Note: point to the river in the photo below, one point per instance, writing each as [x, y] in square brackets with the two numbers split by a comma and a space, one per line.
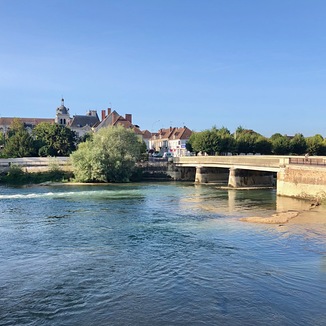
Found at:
[156, 254]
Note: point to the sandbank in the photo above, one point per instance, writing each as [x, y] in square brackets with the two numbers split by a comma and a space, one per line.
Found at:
[313, 214]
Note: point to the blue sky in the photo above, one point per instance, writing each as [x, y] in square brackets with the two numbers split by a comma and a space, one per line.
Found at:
[255, 63]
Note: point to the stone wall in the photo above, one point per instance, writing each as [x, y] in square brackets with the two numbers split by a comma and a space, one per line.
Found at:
[302, 182]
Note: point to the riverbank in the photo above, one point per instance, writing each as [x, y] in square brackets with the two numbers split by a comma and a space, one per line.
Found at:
[312, 213]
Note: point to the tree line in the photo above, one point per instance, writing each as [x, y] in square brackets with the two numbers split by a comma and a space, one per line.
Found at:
[221, 141]
[44, 140]
[110, 155]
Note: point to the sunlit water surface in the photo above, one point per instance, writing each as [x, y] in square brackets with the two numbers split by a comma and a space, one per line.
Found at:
[155, 254]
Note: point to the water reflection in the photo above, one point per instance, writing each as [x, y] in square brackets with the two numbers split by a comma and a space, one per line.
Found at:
[148, 254]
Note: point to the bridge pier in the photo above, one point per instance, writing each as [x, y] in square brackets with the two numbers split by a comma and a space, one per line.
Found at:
[181, 173]
[296, 176]
[246, 178]
[211, 175]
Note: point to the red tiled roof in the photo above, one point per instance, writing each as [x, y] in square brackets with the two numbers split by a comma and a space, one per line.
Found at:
[34, 121]
[174, 133]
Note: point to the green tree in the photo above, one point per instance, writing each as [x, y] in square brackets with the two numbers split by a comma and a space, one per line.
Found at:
[316, 145]
[263, 145]
[203, 142]
[298, 144]
[246, 140]
[54, 139]
[211, 141]
[85, 137]
[226, 141]
[280, 144]
[19, 142]
[2, 139]
[109, 157]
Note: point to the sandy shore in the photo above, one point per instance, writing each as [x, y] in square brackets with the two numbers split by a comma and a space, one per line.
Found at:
[313, 214]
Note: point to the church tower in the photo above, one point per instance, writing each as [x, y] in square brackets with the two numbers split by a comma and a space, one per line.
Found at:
[62, 114]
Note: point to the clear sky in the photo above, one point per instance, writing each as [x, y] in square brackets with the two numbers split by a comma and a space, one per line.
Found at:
[260, 64]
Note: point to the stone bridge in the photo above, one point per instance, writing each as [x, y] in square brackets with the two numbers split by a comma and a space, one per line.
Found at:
[295, 176]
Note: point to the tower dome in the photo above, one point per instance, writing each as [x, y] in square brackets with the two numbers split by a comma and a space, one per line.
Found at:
[62, 114]
[62, 109]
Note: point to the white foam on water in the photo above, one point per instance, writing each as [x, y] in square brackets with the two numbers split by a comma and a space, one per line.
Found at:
[74, 194]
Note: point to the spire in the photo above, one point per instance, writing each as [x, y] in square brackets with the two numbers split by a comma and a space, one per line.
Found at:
[62, 101]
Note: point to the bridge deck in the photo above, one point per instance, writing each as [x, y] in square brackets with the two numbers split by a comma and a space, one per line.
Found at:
[271, 163]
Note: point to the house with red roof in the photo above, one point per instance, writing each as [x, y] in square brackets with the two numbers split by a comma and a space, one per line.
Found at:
[172, 140]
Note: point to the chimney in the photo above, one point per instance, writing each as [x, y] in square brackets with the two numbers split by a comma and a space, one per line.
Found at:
[109, 111]
[103, 115]
[128, 117]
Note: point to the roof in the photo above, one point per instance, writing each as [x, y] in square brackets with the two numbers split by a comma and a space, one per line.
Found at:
[109, 120]
[30, 121]
[173, 133]
[146, 134]
[79, 121]
[62, 109]
[115, 119]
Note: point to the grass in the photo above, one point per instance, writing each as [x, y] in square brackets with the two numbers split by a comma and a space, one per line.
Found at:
[16, 176]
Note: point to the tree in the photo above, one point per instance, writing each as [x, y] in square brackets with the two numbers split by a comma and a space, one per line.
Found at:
[203, 142]
[19, 142]
[2, 139]
[191, 139]
[109, 157]
[211, 141]
[246, 140]
[280, 144]
[226, 141]
[316, 145]
[298, 144]
[54, 139]
[263, 145]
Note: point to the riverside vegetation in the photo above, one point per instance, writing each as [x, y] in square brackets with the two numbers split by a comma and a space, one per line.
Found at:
[110, 155]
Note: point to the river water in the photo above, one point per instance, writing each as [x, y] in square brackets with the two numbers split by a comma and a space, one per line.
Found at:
[155, 254]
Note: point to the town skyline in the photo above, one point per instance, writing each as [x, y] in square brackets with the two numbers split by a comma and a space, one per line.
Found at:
[225, 63]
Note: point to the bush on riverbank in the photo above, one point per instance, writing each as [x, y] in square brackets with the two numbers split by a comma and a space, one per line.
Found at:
[110, 156]
[16, 176]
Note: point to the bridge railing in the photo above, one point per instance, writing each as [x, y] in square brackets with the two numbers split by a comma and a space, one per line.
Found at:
[259, 160]
[320, 161]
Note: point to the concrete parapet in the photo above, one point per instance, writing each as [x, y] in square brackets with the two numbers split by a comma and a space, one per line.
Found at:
[302, 182]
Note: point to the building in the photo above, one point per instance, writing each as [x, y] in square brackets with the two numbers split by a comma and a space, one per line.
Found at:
[80, 124]
[113, 118]
[62, 115]
[29, 123]
[83, 124]
[172, 140]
